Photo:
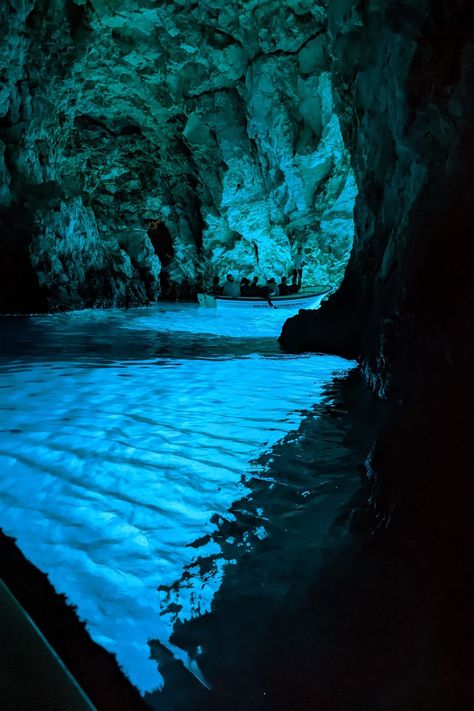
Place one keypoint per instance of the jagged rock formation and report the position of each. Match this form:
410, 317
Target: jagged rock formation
404, 78
216, 119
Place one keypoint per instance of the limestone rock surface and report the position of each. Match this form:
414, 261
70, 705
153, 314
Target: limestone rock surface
216, 119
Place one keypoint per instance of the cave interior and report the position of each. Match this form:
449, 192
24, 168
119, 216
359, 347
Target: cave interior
144, 142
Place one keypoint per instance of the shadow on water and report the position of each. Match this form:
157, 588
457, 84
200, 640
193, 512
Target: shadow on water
307, 617
270, 639
60, 338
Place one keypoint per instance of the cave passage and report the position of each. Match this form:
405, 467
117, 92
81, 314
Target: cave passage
227, 169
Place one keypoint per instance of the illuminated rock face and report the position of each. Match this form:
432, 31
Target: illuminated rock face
216, 119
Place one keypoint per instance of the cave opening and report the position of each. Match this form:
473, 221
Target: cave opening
162, 242
19, 286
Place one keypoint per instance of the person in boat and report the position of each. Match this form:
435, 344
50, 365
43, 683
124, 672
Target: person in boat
294, 286
272, 287
254, 288
216, 289
298, 263
283, 287
244, 287
271, 290
231, 288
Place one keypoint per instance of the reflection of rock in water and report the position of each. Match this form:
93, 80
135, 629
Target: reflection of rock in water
292, 611
176, 664
309, 617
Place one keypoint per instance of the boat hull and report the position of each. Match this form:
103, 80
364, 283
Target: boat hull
293, 302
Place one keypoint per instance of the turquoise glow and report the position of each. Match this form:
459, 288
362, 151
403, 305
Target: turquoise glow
121, 453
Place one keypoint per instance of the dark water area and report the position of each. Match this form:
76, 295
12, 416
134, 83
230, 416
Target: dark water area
194, 492
100, 337
316, 616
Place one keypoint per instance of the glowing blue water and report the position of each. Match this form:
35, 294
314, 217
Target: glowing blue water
123, 434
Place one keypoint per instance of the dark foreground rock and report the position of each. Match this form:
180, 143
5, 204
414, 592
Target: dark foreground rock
96, 670
405, 306
404, 75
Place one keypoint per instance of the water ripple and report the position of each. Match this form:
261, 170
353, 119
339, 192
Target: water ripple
117, 469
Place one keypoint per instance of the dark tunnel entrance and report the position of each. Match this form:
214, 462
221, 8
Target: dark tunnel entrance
160, 238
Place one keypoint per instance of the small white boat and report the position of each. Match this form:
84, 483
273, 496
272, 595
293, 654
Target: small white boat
310, 300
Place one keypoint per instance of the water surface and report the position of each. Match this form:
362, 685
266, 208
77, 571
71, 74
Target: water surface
134, 446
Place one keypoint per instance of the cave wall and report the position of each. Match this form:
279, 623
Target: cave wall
404, 78
404, 73
215, 118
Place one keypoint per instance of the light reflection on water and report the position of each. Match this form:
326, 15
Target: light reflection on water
126, 437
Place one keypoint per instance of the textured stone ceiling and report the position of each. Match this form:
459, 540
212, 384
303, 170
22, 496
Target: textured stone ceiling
214, 117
